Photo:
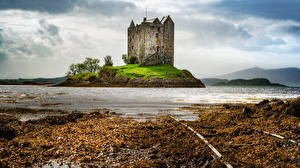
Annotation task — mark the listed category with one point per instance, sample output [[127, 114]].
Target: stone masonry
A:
[[152, 41]]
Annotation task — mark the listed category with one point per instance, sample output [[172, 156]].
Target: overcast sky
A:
[[41, 38]]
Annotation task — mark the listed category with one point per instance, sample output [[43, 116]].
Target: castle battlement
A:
[[152, 41]]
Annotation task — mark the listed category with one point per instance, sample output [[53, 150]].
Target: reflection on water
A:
[[135, 102]]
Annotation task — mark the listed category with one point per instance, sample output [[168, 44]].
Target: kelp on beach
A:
[[238, 131], [101, 139], [97, 139]]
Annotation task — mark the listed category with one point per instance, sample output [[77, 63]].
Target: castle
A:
[[152, 41]]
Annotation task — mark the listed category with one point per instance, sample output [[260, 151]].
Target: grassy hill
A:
[[133, 71], [148, 72]]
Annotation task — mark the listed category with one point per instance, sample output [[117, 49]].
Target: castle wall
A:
[[150, 38], [169, 42], [153, 39], [136, 40]]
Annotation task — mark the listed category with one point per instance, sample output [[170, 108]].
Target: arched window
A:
[[157, 49]]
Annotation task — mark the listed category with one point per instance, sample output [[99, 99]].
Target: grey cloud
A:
[[224, 32], [294, 30], [64, 6], [41, 50], [49, 6], [3, 56], [17, 46], [272, 9], [215, 32], [52, 29], [105, 7], [1, 38], [50, 32]]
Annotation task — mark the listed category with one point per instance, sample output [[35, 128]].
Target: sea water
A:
[[140, 103]]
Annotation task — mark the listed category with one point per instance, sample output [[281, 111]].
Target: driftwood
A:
[[280, 137], [214, 150]]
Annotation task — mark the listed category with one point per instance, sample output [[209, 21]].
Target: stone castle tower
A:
[[152, 41]]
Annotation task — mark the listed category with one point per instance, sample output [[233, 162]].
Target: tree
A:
[[81, 68], [132, 59], [73, 70], [108, 61], [89, 65]]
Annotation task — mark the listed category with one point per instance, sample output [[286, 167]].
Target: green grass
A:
[[149, 72], [84, 75]]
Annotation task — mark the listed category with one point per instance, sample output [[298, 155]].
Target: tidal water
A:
[[141, 103]]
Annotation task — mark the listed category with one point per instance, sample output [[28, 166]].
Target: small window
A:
[[156, 35], [157, 49], [131, 47]]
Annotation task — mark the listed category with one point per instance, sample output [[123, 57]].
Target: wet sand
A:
[[105, 139]]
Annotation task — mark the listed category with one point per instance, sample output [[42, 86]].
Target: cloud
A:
[[52, 29], [215, 32], [64, 6], [49, 32], [107, 8], [18, 46], [271, 9], [3, 57], [294, 30], [52, 6]]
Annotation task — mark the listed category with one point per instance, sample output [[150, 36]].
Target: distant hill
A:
[[3, 83], [286, 76], [250, 82], [212, 81], [50, 80], [33, 81]]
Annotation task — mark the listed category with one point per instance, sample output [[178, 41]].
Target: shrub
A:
[[108, 61], [125, 58], [129, 59]]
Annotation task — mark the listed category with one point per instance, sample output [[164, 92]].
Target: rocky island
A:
[[251, 82], [134, 76]]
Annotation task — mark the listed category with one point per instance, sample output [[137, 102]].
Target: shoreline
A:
[[157, 83], [235, 130]]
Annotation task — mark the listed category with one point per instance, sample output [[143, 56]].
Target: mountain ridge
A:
[[289, 76]]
